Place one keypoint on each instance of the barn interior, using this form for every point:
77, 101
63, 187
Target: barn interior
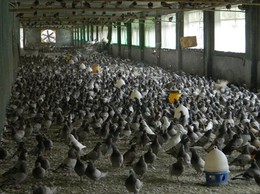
206, 51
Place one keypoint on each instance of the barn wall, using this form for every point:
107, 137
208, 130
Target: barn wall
33, 38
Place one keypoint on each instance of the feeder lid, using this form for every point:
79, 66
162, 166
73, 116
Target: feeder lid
136, 94
216, 161
82, 66
71, 62
120, 82
174, 91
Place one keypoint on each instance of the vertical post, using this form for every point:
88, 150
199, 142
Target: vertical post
109, 36
179, 33
23, 38
87, 32
251, 42
209, 45
91, 33
158, 38
141, 38
129, 38
83, 37
119, 38
97, 33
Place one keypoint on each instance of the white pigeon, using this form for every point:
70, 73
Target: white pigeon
147, 128
174, 141
166, 123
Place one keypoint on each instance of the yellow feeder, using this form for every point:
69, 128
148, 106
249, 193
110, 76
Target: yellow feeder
68, 58
174, 94
95, 69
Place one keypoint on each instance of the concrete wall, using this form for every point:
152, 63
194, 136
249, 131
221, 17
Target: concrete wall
149, 57
233, 69
124, 52
193, 62
33, 38
114, 50
9, 57
135, 53
168, 59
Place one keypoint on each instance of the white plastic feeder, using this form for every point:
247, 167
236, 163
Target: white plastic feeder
89, 70
135, 94
71, 62
120, 82
216, 168
82, 66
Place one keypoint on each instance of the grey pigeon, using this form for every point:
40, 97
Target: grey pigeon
257, 177
243, 158
22, 161
186, 157
93, 173
80, 168
69, 162
257, 157
150, 157
133, 184
197, 162
203, 140
177, 168
140, 167
38, 172
155, 145
48, 144
44, 162
44, 190
3, 154
249, 174
16, 177
93, 155
130, 155
116, 158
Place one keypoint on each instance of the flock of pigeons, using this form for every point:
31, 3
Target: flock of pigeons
53, 102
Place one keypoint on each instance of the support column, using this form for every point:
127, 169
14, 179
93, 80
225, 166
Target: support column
251, 42
119, 38
109, 37
179, 33
129, 38
158, 38
209, 45
141, 38
91, 33
87, 32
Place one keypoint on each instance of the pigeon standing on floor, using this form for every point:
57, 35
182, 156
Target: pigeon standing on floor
243, 158
116, 158
130, 155
197, 162
43, 161
38, 172
17, 177
93, 173
150, 157
155, 145
203, 140
93, 155
80, 168
133, 184
3, 154
140, 167
68, 164
249, 174
177, 168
